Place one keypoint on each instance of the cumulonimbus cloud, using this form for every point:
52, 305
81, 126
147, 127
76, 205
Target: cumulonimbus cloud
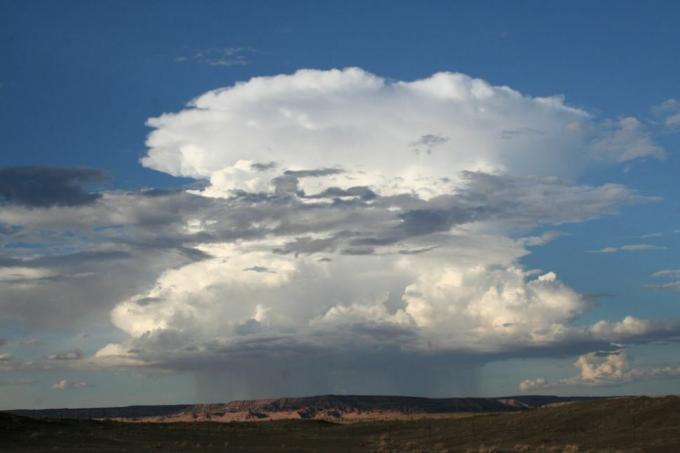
384, 214
352, 226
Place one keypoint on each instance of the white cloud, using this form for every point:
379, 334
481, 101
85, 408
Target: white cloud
529, 385
672, 286
350, 215
667, 273
65, 384
219, 57
673, 277
349, 223
598, 368
367, 127
626, 139
603, 368
673, 121
642, 247
19, 275
629, 248
669, 113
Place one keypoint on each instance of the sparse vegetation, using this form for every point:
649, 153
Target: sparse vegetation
615, 425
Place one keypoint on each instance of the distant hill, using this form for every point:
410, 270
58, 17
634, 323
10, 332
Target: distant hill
627, 424
103, 412
324, 406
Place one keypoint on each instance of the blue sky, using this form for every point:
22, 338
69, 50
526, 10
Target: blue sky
80, 80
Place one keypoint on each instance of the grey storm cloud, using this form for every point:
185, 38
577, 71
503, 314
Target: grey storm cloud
361, 192
42, 186
427, 142
259, 269
288, 182
123, 240
259, 166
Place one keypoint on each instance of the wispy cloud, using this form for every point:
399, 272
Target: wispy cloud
666, 273
68, 355
673, 280
668, 112
218, 56
629, 248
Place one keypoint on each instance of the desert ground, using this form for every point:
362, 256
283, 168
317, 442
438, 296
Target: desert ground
629, 424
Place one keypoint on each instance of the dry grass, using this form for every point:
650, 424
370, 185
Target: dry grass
619, 425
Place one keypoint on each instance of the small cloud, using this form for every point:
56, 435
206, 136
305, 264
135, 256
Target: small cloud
508, 134
668, 112
649, 235
426, 143
629, 248
65, 384
548, 236
18, 275
667, 273
603, 368
259, 166
529, 385
144, 301
670, 286
604, 250
642, 247
260, 269
416, 251
68, 355
626, 139
673, 275
225, 56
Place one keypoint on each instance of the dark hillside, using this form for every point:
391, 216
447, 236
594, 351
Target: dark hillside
636, 424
